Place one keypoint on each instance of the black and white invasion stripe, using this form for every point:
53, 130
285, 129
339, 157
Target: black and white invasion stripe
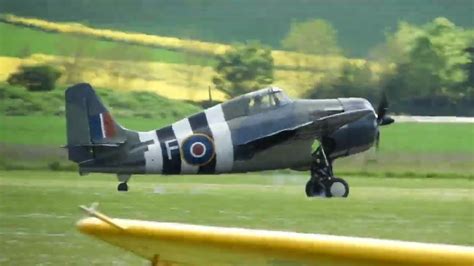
166, 158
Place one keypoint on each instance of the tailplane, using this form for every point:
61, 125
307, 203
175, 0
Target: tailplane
89, 124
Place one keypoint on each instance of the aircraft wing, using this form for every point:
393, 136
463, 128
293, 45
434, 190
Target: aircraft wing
185, 244
311, 129
328, 124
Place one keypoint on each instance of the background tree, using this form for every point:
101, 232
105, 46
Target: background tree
429, 70
430, 66
244, 68
35, 78
353, 80
470, 70
315, 36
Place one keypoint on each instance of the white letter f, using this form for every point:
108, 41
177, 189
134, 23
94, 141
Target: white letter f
169, 148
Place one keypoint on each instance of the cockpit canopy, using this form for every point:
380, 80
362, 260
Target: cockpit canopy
256, 102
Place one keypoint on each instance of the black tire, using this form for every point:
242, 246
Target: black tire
337, 187
122, 187
315, 189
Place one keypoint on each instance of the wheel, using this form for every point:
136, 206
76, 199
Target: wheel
315, 189
337, 187
122, 187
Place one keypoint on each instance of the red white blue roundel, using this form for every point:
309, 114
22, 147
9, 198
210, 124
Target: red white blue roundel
198, 149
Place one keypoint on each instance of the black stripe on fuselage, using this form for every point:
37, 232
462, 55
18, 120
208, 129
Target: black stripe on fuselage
200, 125
169, 150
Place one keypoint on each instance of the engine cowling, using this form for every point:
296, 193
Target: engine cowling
354, 137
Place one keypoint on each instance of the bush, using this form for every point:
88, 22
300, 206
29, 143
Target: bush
35, 78
54, 166
243, 69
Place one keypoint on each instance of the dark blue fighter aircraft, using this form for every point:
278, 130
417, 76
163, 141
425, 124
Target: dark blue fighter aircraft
261, 130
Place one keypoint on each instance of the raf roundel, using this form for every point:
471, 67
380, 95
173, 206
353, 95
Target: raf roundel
198, 149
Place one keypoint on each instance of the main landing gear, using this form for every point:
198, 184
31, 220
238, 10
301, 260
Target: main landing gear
322, 182
123, 178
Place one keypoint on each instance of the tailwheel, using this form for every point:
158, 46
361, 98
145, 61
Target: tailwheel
123, 179
337, 187
122, 187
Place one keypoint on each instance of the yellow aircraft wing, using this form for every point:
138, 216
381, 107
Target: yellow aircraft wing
186, 244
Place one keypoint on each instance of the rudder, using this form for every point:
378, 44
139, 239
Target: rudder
88, 123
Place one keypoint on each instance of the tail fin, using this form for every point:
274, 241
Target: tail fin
89, 123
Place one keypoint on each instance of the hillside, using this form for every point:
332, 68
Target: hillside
283, 59
17, 101
29, 41
172, 67
361, 24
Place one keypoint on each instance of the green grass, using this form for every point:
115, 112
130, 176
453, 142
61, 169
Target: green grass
21, 42
428, 137
39, 210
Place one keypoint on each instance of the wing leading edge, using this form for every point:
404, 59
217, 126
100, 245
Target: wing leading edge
178, 244
313, 129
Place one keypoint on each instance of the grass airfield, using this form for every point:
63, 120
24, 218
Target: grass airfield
38, 210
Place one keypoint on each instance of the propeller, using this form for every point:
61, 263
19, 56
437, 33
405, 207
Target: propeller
382, 118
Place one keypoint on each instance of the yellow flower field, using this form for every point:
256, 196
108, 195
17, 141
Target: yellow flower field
175, 81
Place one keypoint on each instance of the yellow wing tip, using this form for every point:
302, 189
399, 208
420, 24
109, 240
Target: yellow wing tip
93, 212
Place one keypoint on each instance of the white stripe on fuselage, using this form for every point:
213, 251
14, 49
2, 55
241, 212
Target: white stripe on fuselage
102, 126
182, 129
153, 156
222, 139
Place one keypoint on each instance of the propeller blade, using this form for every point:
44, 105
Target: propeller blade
382, 108
386, 120
377, 142
382, 117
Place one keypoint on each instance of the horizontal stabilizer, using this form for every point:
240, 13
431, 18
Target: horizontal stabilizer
112, 145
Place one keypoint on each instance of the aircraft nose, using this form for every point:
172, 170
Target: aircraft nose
367, 124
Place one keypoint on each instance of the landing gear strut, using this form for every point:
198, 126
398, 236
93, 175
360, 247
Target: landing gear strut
123, 178
323, 183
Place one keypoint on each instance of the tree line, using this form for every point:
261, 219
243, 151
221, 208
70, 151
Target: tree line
427, 69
